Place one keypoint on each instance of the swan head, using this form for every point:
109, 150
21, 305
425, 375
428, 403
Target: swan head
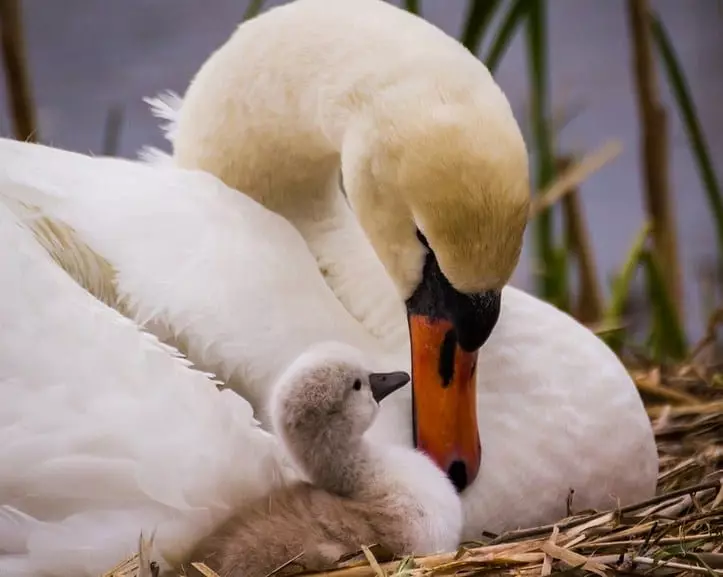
328, 393
443, 195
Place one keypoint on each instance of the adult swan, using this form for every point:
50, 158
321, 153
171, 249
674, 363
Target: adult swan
435, 171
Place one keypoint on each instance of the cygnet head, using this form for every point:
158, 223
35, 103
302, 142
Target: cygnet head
329, 391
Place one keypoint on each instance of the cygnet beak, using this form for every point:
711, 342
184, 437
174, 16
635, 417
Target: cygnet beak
384, 384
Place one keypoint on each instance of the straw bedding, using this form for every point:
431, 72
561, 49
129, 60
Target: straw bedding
679, 532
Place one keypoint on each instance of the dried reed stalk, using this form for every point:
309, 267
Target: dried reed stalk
654, 152
16, 71
574, 175
112, 130
589, 306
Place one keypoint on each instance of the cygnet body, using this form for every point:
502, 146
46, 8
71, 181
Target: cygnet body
359, 492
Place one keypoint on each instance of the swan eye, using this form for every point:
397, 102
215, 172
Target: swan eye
357, 385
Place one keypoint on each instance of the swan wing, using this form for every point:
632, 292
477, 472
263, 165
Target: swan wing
104, 431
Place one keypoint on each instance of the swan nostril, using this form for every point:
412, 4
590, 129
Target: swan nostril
457, 473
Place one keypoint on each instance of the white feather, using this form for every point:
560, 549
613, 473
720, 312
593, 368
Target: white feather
103, 432
164, 106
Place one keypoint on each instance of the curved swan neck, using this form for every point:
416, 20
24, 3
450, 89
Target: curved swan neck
424, 138
277, 135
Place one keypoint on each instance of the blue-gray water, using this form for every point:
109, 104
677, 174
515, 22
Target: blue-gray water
88, 55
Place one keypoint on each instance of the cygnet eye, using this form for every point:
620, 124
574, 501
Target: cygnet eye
357, 385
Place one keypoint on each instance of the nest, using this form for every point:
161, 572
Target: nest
678, 532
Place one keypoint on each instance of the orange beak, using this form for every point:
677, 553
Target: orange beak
444, 398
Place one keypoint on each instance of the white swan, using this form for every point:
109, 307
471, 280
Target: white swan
104, 431
240, 290
435, 171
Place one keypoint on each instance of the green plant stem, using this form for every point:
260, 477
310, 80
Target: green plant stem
537, 57
479, 16
682, 95
621, 288
667, 336
253, 9
511, 21
412, 6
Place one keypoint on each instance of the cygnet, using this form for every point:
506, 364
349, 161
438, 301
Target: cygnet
358, 492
